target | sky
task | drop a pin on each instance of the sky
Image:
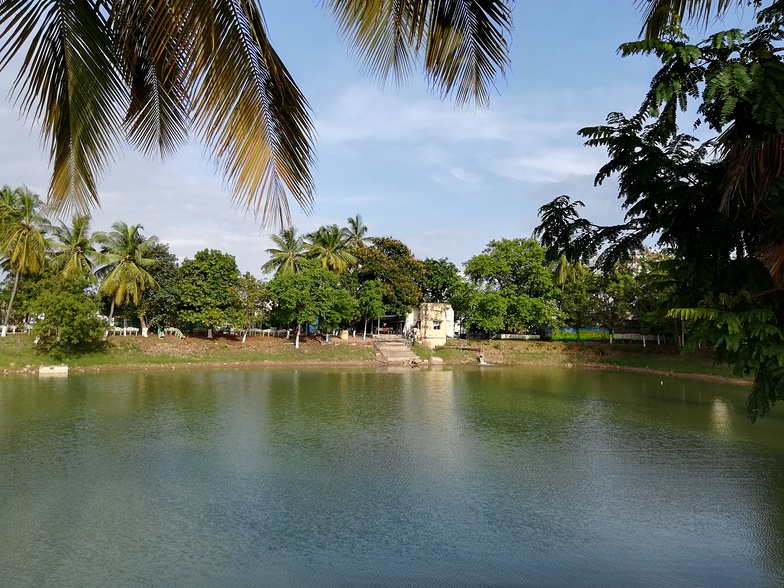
(445, 180)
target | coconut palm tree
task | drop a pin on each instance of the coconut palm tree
(356, 232)
(74, 250)
(285, 257)
(23, 243)
(98, 74)
(330, 246)
(125, 254)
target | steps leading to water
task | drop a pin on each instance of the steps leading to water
(394, 350)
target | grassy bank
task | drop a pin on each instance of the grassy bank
(633, 356)
(17, 352)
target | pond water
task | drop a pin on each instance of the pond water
(469, 476)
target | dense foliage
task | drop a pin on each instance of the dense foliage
(391, 262)
(70, 320)
(717, 206)
(513, 288)
(209, 291)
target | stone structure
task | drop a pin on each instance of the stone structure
(434, 321)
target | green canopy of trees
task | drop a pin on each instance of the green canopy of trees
(209, 290)
(716, 205)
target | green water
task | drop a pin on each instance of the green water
(456, 477)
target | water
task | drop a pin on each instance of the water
(470, 476)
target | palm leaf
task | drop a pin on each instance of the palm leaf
(156, 70)
(463, 43)
(659, 15)
(252, 115)
(69, 80)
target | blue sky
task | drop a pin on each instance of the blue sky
(442, 179)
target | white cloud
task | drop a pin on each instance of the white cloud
(363, 113)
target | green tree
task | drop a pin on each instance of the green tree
(487, 312)
(152, 72)
(356, 231)
(158, 307)
(439, 280)
(74, 252)
(717, 205)
(518, 264)
(578, 297)
(254, 298)
(312, 294)
(391, 262)
(517, 270)
(209, 290)
(340, 312)
(371, 302)
(71, 317)
(614, 297)
(23, 243)
(331, 247)
(655, 290)
(125, 253)
(462, 300)
(290, 250)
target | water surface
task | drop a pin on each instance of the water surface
(470, 476)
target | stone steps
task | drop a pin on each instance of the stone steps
(396, 352)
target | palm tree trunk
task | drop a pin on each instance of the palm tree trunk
(364, 334)
(10, 304)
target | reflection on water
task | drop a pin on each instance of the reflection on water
(449, 477)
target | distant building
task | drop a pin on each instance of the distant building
(434, 321)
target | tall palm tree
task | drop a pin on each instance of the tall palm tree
(356, 231)
(125, 253)
(74, 250)
(330, 246)
(96, 74)
(22, 237)
(286, 256)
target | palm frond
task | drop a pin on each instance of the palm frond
(253, 116)
(73, 248)
(463, 43)
(69, 80)
(124, 255)
(660, 15)
(284, 258)
(23, 228)
(156, 69)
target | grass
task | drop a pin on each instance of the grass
(422, 352)
(663, 358)
(456, 355)
(17, 352)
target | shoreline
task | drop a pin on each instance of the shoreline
(123, 354)
(237, 365)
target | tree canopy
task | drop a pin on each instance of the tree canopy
(209, 290)
(716, 205)
(391, 262)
